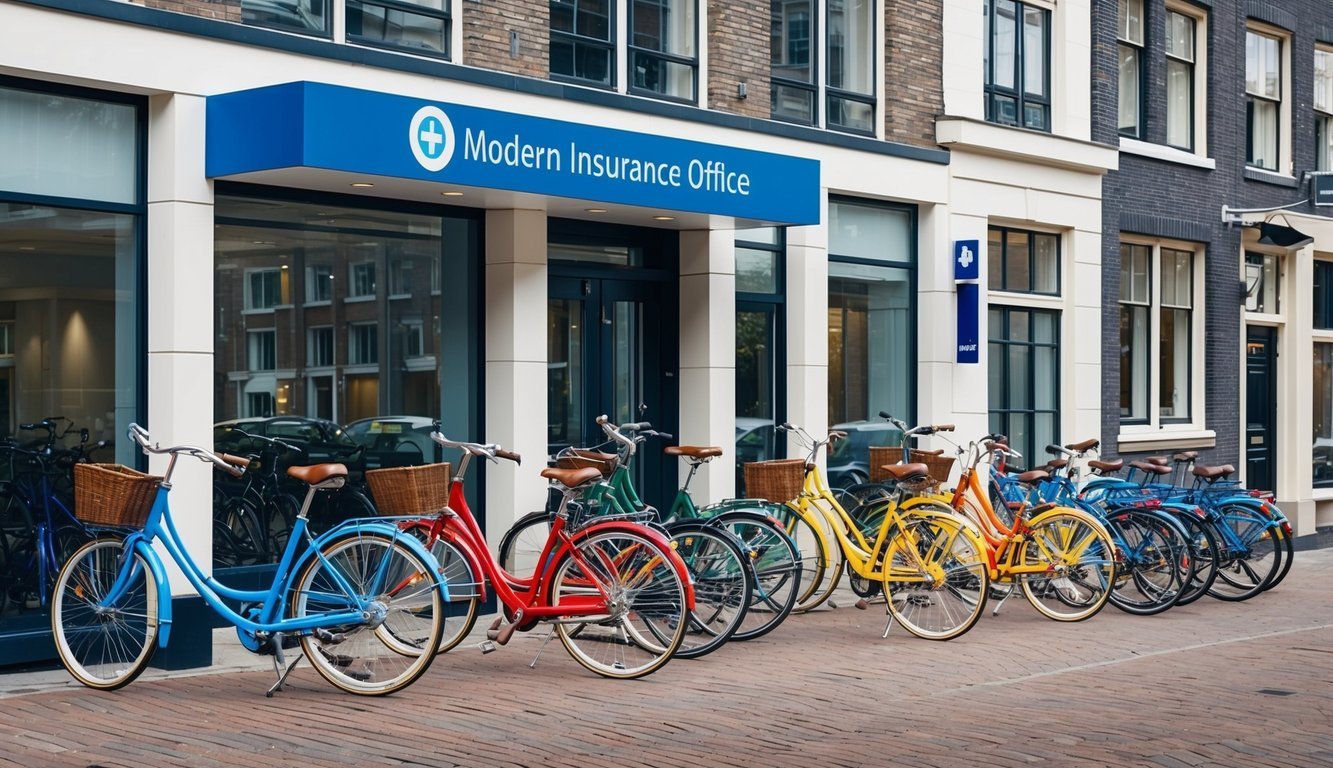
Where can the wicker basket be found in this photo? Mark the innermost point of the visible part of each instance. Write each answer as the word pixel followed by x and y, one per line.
pixel 576 458
pixel 777 481
pixel 939 466
pixel 113 495
pixel 417 490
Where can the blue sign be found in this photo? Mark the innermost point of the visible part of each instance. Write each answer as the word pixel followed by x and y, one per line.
pixel 965 257
pixel 968 298
pixel 317 125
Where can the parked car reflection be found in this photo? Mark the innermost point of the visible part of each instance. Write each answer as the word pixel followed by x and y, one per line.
pixel 395 441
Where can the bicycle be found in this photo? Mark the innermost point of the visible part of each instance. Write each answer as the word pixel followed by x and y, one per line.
pixel 251 523
pixel 768 556
pixel 930 562
pixel 615 592
pixel 362 600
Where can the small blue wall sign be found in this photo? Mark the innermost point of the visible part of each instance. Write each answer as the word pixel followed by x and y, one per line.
pixel 965 258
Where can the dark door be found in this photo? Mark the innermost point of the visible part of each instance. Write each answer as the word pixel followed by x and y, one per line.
pixel 608 345
pixel 1260 407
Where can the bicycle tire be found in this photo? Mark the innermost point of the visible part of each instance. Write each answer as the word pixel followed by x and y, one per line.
pixel 104 646
pixel 821 564
pixel 774 561
pixel 723 585
pixel 241 519
pixel 649 615
pixel 1250 552
pixel 464 590
pixel 523 543
pixel 1156 565
pixel 947 600
pixel 364 658
pixel 1079 561
pixel 1203 551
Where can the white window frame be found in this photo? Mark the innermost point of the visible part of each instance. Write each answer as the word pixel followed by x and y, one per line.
pixel 248 276
pixel 1125 38
pixel 311 335
pixel 1156 430
pixel 355 292
pixel 1284 132
pixel 353 332
pixel 400 277
pixel 1323 113
pixel 251 350
pixel 1199 108
pixel 314 274
pixel 414 330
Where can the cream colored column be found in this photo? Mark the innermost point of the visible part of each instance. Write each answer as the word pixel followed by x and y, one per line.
pixel 180 313
pixel 807 329
pixel 708 357
pixel 516 298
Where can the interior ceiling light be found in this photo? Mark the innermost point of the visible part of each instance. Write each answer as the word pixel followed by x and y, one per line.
pixel 362 184
pixel 452 193
pixel 664 218
pixel 595 210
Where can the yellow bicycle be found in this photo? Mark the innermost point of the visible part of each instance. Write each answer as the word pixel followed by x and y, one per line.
pixel 930 562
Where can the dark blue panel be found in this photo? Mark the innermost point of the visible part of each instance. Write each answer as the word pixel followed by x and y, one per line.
pixel 255 130
pixel 968 295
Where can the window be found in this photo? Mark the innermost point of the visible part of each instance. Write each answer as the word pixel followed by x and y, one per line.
pixel 1323 295
pixel 793 63
pixel 851 65
pixel 7 339
pixel 302 16
pixel 1021 261
pixel 417 27
pixel 1323 109
pixel 760 345
pixel 319 347
pixel 583 41
pixel 413 339
pixel 1323 374
pixel 1129 30
pixel 400 277
pixel 262 350
pixel 1025 378
pixel 1180 66
pixel 363 280
pixel 363 344
pixel 1261 283
pixel 663 48
pixel 1158 349
pixel 318 283
pixel 1017 53
pixel 265 289
pixel 1263 103
pixel 259 404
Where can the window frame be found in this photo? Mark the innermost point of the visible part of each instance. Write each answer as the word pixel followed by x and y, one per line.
pixel 358 293
pixel 633 51
pixel 252 338
pixel 1281 104
pixel 444 13
pixel 1018 93
pixel 1031 451
pixel 1139 47
pixel 1198 84
pixel 612 45
pixel 814 49
pixel 1004 231
pixel 313 332
pixel 840 94
pixel 1323 118
pixel 1153 425
pixel 251 307
pixel 357 334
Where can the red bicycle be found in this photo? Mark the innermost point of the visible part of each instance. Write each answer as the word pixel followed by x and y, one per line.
pixel 614 590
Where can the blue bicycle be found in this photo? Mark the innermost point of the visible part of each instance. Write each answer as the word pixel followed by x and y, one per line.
pixel 363 600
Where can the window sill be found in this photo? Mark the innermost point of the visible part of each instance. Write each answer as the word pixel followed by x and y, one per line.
pixel 1270 177
pixel 318 303
pixel 358 299
pixel 1161 439
pixel 354 369
pixel 1164 152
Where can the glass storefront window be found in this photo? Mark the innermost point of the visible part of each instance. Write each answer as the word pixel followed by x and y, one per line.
pixel 65 146
pixel 1323 414
pixel 760 343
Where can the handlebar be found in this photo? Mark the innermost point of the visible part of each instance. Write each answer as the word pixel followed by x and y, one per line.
pixel 232 465
pixel 489 451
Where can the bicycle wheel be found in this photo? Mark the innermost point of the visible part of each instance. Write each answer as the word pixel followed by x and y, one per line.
pixel 1250 552
pixel 247 540
pixel 400 593
pixel 522 544
pixel 1078 558
pixel 821 564
pixel 1156 562
pixel 775 562
pixel 935 575
pixel 1202 552
pixel 464 589
pixel 647 615
pixel 104 644
pixel 723 584
pixel 278 516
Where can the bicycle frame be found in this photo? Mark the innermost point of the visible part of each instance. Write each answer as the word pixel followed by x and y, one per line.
pixel 34 490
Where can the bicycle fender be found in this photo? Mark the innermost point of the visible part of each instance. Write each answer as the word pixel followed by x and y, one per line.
pixel 387 530
pixel 649 533
pixel 163 587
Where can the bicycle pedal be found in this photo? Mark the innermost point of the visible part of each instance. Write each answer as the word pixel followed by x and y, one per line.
pixel 487 646
pixel 861 604
pixel 327 637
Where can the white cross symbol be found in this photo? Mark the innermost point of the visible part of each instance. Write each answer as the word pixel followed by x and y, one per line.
pixel 965 258
pixel 431 136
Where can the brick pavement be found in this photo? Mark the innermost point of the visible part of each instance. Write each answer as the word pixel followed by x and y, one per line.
pixel 1211 684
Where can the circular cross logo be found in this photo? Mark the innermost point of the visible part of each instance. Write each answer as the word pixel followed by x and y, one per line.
pixel 431 137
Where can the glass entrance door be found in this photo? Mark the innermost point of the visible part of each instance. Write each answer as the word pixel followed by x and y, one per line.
pixel 605 356
pixel 1260 407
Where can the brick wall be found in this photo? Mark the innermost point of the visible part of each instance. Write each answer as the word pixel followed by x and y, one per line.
pixel 913 60
pixel 486 36
pixel 738 52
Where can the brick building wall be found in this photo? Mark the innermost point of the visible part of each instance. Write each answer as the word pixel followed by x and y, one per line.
pixel 913 62
pixel 223 10
pixel 492 29
pixel 738 52
pixel 1158 198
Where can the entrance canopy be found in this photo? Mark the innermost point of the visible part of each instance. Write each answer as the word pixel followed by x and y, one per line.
pixel 306 131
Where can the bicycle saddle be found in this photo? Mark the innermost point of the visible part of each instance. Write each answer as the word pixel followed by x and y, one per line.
pixel 317 473
pixel 693 451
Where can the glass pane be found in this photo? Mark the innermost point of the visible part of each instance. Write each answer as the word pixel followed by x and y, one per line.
pixel 625 361
pixel 1045 374
pixel 619 255
pixel 790 43
pixel 766 235
pixel 64 146
pixel 1020 373
pixel 756 271
pixel 669 78
pixel 995 323
pixel 851 46
pixel 995 258
pixel 289 15
pixel 870 323
pixel 592 18
pixel 1323 142
pixel 1322 454
pixel 1004 43
pixel 1129 90
pixel 1134 363
pixel 1177 278
pixel 1034 51
pixel 1261 121
pixel 1179 104
pixel 667 26
pixel 1323 80
pixel 389 26
pixel 1263 66
pixel 1179 36
pixel 1044 327
pixel 1175 354
pixel 853 115
pixel 1017 275
pixel 1130 21
pixel 1045 263
pixel 869 232
pixel 1261 283
pixel 564 377
pixel 755 360
pixel 1019 322
pixel 794 104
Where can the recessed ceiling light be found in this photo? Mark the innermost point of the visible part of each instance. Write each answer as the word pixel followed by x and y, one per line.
pixel 452 193
pixel 27 247
pixel 595 210
pixel 664 218
pixel 362 184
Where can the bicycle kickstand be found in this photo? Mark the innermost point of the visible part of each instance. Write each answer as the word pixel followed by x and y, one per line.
pixel 279 662
pixel 542 647
pixel 1008 593
pixel 889 624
